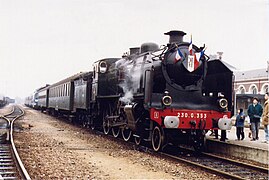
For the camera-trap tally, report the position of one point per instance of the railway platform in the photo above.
(257, 151)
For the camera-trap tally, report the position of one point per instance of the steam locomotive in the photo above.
(173, 94)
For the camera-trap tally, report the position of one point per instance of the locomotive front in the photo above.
(190, 94)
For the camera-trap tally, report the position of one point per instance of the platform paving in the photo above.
(257, 151)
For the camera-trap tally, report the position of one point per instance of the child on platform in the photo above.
(240, 120)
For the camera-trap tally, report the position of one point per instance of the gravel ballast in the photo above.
(51, 148)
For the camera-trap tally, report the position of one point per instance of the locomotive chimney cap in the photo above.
(175, 32)
(175, 36)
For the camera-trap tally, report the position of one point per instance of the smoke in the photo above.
(131, 78)
(128, 97)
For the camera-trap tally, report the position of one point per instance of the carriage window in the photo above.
(58, 91)
(67, 90)
(63, 90)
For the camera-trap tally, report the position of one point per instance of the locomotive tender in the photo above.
(169, 95)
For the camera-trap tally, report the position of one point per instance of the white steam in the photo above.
(131, 80)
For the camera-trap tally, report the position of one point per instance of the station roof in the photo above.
(251, 74)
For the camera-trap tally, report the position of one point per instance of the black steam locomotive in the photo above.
(173, 94)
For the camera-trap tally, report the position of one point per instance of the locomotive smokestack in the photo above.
(175, 36)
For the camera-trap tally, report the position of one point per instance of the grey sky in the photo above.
(47, 40)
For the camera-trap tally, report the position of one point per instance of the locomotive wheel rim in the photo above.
(156, 139)
(115, 131)
(137, 140)
(126, 134)
(106, 128)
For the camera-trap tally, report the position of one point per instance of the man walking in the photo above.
(254, 113)
(265, 117)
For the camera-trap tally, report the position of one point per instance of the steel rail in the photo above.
(7, 114)
(254, 167)
(16, 154)
(20, 166)
(203, 167)
(213, 170)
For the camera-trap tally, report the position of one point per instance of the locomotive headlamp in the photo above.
(223, 103)
(167, 100)
(103, 67)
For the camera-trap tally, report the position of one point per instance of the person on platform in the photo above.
(255, 113)
(265, 117)
(239, 123)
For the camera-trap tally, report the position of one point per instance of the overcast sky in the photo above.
(44, 41)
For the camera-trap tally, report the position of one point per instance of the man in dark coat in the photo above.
(254, 113)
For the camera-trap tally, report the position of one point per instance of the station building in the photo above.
(249, 84)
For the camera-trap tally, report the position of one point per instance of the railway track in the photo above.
(224, 167)
(221, 166)
(11, 166)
